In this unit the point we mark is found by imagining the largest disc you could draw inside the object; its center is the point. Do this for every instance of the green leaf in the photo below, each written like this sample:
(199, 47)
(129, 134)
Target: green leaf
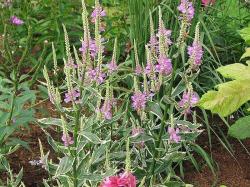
(235, 71)
(155, 109)
(229, 97)
(91, 137)
(50, 121)
(246, 54)
(65, 166)
(241, 128)
(245, 34)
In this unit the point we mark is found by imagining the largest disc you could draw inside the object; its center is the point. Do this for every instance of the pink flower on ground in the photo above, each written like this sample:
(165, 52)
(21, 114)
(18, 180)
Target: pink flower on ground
(174, 134)
(16, 21)
(127, 180)
(207, 2)
(123, 180)
(67, 140)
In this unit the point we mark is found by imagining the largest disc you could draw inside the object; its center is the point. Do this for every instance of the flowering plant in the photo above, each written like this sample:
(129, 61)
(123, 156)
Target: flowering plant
(100, 114)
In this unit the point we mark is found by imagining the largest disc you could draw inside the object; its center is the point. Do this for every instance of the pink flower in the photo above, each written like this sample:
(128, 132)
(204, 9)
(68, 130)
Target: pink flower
(92, 47)
(123, 180)
(127, 180)
(174, 135)
(207, 2)
(98, 11)
(67, 140)
(16, 21)
(187, 10)
(164, 66)
(166, 34)
(149, 69)
(153, 43)
(106, 110)
(139, 100)
(112, 66)
(195, 52)
(138, 69)
(96, 75)
(189, 100)
(72, 95)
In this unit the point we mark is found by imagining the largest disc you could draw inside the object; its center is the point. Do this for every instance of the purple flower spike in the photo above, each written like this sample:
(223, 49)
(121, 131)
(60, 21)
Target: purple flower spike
(138, 69)
(71, 64)
(72, 96)
(112, 66)
(96, 11)
(67, 140)
(139, 100)
(189, 100)
(167, 34)
(164, 66)
(96, 75)
(149, 68)
(174, 134)
(92, 47)
(153, 43)
(187, 9)
(106, 110)
(195, 52)
(16, 21)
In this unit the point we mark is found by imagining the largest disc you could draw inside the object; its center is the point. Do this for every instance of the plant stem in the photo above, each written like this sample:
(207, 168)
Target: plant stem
(13, 97)
(77, 123)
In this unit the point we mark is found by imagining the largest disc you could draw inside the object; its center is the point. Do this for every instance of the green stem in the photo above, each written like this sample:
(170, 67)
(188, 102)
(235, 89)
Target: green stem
(77, 123)
(13, 97)
(26, 50)
(40, 65)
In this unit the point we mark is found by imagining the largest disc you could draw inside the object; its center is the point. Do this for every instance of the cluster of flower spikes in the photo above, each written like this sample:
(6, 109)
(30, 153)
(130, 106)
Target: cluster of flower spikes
(92, 48)
(190, 98)
(158, 64)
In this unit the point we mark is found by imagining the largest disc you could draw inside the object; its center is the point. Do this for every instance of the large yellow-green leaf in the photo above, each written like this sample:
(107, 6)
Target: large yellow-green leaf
(241, 128)
(235, 71)
(245, 34)
(246, 54)
(229, 97)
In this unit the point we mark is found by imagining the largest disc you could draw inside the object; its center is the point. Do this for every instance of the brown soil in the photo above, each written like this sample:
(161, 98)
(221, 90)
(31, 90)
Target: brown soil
(231, 172)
